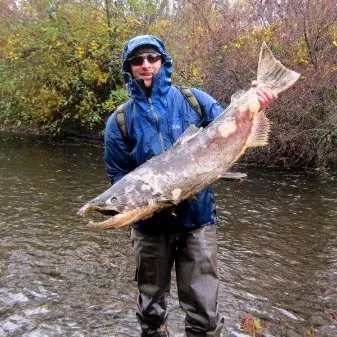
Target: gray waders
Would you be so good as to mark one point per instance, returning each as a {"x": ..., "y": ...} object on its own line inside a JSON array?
[{"x": 194, "y": 255}]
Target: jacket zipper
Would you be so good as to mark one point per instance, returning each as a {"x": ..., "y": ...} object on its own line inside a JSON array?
[{"x": 156, "y": 119}]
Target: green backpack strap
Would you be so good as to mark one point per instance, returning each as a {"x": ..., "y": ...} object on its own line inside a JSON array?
[
  {"x": 120, "y": 117},
  {"x": 188, "y": 94}
]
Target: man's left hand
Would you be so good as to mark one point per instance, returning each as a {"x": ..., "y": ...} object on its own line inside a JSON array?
[{"x": 265, "y": 96}]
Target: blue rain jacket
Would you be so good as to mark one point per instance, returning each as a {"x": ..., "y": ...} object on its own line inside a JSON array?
[{"x": 153, "y": 125}]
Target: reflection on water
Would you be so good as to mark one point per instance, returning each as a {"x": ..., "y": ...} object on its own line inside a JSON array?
[{"x": 277, "y": 249}]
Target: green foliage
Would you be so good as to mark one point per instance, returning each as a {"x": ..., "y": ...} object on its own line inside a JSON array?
[
  {"x": 60, "y": 61},
  {"x": 149, "y": 10},
  {"x": 59, "y": 68},
  {"x": 115, "y": 99}
]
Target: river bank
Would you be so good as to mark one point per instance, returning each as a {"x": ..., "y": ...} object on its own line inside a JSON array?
[{"x": 77, "y": 131}]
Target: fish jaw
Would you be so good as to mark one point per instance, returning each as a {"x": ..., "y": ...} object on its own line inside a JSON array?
[{"x": 124, "y": 219}]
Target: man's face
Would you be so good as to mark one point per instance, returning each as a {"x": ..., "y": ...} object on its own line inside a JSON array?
[{"x": 143, "y": 66}]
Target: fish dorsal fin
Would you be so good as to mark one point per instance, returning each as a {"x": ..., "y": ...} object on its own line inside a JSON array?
[
  {"x": 272, "y": 74},
  {"x": 260, "y": 130},
  {"x": 189, "y": 133}
]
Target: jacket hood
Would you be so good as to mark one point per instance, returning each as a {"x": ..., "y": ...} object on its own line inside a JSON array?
[{"x": 145, "y": 40}]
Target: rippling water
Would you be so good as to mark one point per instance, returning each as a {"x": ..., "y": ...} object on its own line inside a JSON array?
[{"x": 277, "y": 249}]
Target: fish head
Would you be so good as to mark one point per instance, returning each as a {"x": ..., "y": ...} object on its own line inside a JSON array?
[
  {"x": 119, "y": 198},
  {"x": 106, "y": 203},
  {"x": 127, "y": 201}
]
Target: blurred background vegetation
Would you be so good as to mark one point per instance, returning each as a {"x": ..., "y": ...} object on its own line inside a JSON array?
[{"x": 60, "y": 63}]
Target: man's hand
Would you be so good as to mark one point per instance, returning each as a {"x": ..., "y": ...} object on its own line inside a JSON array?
[{"x": 265, "y": 96}]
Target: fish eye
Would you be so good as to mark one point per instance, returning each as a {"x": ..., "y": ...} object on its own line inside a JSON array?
[{"x": 113, "y": 199}]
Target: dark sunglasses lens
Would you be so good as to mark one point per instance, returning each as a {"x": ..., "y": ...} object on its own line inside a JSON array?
[
  {"x": 138, "y": 60},
  {"x": 153, "y": 58}
]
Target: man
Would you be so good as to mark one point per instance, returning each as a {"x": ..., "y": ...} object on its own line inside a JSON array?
[{"x": 155, "y": 117}]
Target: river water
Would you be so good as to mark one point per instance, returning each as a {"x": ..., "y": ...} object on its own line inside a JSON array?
[{"x": 277, "y": 236}]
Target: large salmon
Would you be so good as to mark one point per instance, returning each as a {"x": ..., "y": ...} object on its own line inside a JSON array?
[{"x": 198, "y": 158}]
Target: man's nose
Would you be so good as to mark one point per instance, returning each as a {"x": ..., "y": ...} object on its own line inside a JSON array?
[{"x": 146, "y": 63}]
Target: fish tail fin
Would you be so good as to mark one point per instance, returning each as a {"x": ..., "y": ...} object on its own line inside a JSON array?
[
  {"x": 272, "y": 73},
  {"x": 260, "y": 130}
]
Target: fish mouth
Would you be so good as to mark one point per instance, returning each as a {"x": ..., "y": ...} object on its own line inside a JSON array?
[
  {"x": 108, "y": 212},
  {"x": 88, "y": 208}
]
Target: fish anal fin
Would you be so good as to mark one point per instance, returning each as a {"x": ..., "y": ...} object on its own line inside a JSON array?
[
  {"x": 234, "y": 176},
  {"x": 260, "y": 130}
]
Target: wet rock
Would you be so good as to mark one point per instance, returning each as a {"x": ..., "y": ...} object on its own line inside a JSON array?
[
  {"x": 14, "y": 323},
  {"x": 3, "y": 333},
  {"x": 11, "y": 299},
  {"x": 37, "y": 311},
  {"x": 112, "y": 313}
]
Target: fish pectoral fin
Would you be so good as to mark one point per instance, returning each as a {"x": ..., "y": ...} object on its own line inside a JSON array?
[
  {"x": 260, "y": 130},
  {"x": 189, "y": 133}
]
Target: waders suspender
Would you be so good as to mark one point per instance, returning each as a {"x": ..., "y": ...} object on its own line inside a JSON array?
[{"x": 186, "y": 92}]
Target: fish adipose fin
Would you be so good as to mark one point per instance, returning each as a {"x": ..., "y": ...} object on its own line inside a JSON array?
[
  {"x": 272, "y": 74},
  {"x": 260, "y": 130}
]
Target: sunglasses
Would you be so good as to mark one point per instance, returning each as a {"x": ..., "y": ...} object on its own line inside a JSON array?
[{"x": 138, "y": 60}]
